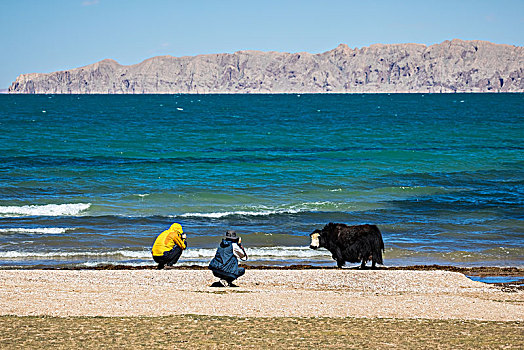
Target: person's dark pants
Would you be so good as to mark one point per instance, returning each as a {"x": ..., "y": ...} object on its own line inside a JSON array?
[
  {"x": 228, "y": 278},
  {"x": 169, "y": 258}
]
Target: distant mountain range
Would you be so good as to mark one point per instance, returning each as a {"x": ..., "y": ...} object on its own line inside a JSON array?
[{"x": 451, "y": 66}]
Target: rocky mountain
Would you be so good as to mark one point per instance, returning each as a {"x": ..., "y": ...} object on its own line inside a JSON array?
[{"x": 452, "y": 66}]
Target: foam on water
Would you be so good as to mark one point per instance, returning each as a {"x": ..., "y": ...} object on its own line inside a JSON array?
[
  {"x": 282, "y": 256},
  {"x": 38, "y": 230},
  {"x": 282, "y": 253},
  {"x": 69, "y": 209},
  {"x": 277, "y": 210},
  {"x": 240, "y": 213},
  {"x": 50, "y": 255},
  {"x": 91, "y": 264}
]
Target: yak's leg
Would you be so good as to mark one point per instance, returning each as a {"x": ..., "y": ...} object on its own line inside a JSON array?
[
  {"x": 373, "y": 264},
  {"x": 363, "y": 265},
  {"x": 337, "y": 255}
]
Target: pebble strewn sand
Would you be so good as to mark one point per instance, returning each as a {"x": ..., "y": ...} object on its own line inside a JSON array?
[{"x": 292, "y": 293}]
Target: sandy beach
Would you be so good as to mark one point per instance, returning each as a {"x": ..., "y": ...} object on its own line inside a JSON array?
[{"x": 438, "y": 295}]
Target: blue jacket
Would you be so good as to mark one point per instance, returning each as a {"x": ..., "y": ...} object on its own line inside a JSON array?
[{"x": 225, "y": 263}]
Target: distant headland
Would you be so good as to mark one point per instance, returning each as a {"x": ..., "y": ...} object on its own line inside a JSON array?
[{"x": 451, "y": 66}]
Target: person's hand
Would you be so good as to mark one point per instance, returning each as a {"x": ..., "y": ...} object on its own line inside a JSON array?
[
  {"x": 183, "y": 236},
  {"x": 239, "y": 240}
]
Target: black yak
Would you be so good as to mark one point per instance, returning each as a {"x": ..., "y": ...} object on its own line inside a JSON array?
[{"x": 354, "y": 244}]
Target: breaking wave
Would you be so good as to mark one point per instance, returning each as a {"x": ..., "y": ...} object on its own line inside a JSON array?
[
  {"x": 239, "y": 213},
  {"x": 51, "y": 255},
  {"x": 279, "y": 210},
  {"x": 280, "y": 253},
  {"x": 69, "y": 209},
  {"x": 37, "y": 231}
]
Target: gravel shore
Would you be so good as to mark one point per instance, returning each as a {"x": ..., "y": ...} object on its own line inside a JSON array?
[{"x": 261, "y": 293}]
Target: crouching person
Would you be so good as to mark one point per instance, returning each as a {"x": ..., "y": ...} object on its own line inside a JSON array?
[
  {"x": 225, "y": 263},
  {"x": 168, "y": 246}
]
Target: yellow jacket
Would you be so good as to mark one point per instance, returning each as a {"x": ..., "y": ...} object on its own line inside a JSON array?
[{"x": 167, "y": 240}]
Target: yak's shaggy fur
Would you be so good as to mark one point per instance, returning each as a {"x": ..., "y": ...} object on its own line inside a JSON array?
[{"x": 354, "y": 244}]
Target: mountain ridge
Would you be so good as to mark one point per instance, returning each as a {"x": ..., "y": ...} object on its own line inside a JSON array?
[{"x": 451, "y": 66}]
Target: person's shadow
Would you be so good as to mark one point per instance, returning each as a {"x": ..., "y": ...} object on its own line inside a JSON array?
[{"x": 217, "y": 284}]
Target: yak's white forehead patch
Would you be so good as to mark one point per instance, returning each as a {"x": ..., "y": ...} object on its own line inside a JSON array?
[{"x": 315, "y": 240}]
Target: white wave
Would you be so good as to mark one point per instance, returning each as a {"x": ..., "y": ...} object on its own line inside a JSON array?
[
  {"x": 141, "y": 254},
  {"x": 272, "y": 253},
  {"x": 262, "y": 252},
  {"x": 241, "y": 212},
  {"x": 261, "y": 211},
  {"x": 38, "y": 230},
  {"x": 287, "y": 252},
  {"x": 57, "y": 254},
  {"x": 266, "y": 211},
  {"x": 68, "y": 209},
  {"x": 91, "y": 264},
  {"x": 115, "y": 262},
  {"x": 17, "y": 254}
]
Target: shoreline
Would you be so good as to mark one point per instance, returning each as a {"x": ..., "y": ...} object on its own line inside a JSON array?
[
  {"x": 382, "y": 293},
  {"x": 481, "y": 271}
]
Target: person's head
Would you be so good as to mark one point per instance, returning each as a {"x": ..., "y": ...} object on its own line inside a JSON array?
[
  {"x": 231, "y": 236},
  {"x": 176, "y": 227}
]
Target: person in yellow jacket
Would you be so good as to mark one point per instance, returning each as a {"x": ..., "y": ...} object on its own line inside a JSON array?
[{"x": 168, "y": 246}]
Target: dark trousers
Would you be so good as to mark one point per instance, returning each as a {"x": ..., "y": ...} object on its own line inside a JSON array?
[
  {"x": 169, "y": 258},
  {"x": 228, "y": 278}
]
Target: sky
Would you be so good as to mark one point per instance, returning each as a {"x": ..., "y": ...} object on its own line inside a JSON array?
[{"x": 41, "y": 36}]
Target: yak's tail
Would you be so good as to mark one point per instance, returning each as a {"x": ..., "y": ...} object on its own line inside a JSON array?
[{"x": 378, "y": 246}]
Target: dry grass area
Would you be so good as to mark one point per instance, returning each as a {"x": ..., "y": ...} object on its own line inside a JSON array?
[{"x": 211, "y": 332}]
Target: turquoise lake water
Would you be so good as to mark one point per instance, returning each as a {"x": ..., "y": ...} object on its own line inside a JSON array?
[{"x": 88, "y": 180}]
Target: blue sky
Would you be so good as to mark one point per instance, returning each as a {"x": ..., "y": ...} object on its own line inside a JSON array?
[{"x": 49, "y": 35}]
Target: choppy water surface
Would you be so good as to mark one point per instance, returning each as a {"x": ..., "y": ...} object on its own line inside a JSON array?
[{"x": 86, "y": 180}]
